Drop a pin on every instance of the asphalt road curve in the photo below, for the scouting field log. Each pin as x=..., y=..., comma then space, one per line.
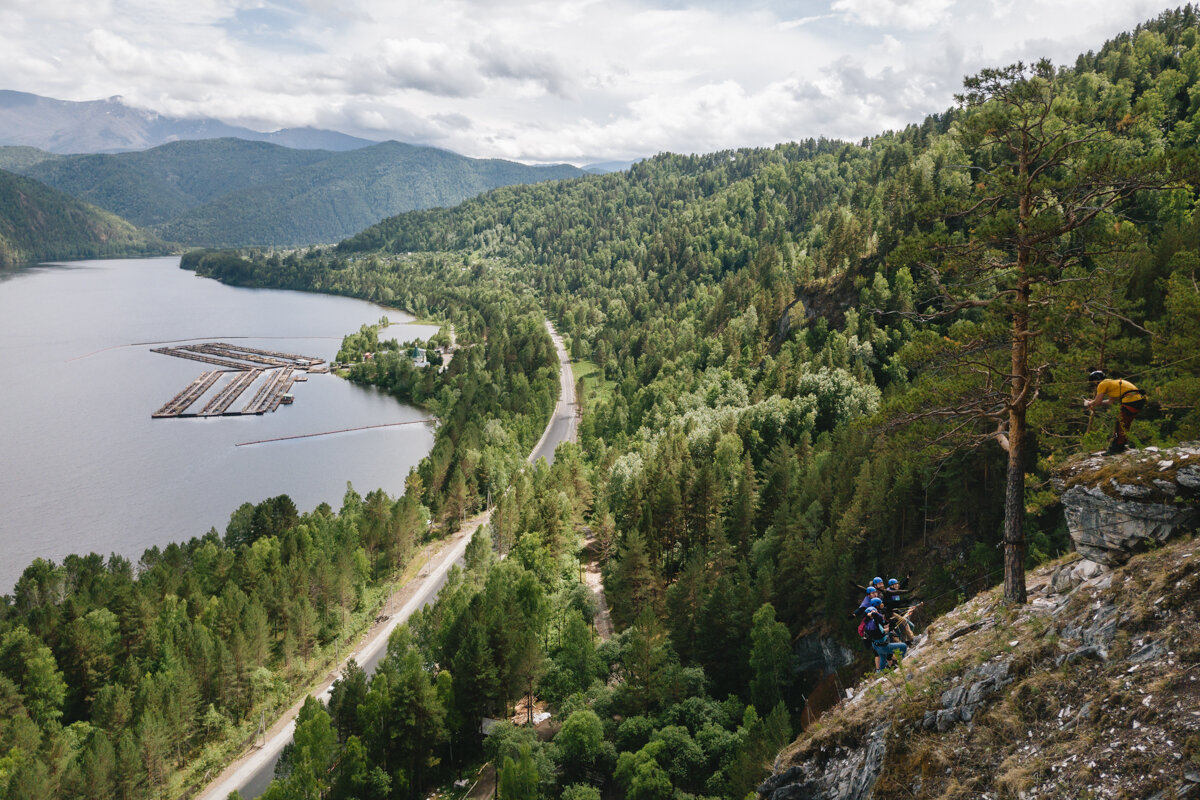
x=253, y=772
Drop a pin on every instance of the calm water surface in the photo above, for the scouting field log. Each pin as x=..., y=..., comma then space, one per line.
x=84, y=468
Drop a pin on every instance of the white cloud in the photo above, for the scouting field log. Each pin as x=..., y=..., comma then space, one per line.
x=540, y=80
x=906, y=14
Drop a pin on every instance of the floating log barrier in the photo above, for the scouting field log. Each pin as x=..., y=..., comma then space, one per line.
x=190, y=394
x=232, y=390
x=330, y=433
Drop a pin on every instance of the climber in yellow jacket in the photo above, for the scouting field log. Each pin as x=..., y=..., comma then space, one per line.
x=1130, y=399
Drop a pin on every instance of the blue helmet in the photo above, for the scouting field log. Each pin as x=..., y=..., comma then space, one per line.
x=875, y=602
x=893, y=582
x=877, y=580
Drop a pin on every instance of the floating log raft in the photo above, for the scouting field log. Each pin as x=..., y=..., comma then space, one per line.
x=267, y=398
x=249, y=363
x=190, y=394
x=224, y=398
x=236, y=356
x=222, y=351
x=180, y=352
x=299, y=361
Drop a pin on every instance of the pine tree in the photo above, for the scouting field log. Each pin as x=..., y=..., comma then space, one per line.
x=519, y=780
x=770, y=658
x=1046, y=181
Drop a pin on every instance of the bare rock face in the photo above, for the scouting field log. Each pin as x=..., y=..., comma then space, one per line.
x=848, y=774
x=1071, y=575
x=1116, y=506
x=1085, y=693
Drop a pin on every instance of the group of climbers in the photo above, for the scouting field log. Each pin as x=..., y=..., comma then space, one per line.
x=885, y=625
x=885, y=610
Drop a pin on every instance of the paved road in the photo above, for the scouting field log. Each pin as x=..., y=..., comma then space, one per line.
x=252, y=773
x=564, y=424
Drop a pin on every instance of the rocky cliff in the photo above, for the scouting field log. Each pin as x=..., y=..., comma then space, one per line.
x=1091, y=690
x=1119, y=505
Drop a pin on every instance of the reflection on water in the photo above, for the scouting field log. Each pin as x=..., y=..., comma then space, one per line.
x=85, y=468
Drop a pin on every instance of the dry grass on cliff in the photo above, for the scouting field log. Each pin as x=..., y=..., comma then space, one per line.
x=1122, y=725
x=1131, y=468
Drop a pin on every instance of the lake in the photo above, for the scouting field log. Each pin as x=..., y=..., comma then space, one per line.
x=84, y=467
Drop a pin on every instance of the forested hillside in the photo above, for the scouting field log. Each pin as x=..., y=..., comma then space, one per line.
x=154, y=186
x=746, y=307
x=134, y=680
x=38, y=223
x=805, y=366
x=232, y=192
x=804, y=377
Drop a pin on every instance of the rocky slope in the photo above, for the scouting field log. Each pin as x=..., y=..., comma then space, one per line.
x=1091, y=690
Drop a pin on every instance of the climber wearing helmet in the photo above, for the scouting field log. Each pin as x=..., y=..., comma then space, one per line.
x=876, y=630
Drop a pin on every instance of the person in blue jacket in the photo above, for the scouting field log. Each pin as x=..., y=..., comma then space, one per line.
x=866, y=601
x=877, y=631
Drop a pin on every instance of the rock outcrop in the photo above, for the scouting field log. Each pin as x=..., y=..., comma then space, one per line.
x=1090, y=690
x=1116, y=506
x=848, y=774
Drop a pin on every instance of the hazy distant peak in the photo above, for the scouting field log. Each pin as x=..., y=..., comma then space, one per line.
x=112, y=126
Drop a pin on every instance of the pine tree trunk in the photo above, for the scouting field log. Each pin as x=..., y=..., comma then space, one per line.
x=1014, y=487
x=1014, y=512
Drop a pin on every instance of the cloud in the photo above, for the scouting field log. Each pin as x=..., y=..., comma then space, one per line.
x=430, y=67
x=906, y=14
x=506, y=61
x=544, y=80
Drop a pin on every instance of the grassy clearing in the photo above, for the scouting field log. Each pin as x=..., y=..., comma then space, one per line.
x=595, y=387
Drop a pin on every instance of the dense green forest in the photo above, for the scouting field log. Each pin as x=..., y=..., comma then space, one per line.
x=805, y=354
x=231, y=192
x=133, y=680
x=38, y=223
x=151, y=187
x=804, y=361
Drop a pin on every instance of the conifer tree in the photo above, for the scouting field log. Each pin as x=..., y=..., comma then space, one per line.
x=518, y=780
x=1048, y=173
x=770, y=658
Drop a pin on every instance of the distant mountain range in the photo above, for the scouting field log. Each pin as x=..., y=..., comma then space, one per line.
x=110, y=126
x=38, y=223
x=605, y=167
x=232, y=192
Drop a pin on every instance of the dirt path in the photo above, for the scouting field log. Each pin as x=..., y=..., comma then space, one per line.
x=591, y=577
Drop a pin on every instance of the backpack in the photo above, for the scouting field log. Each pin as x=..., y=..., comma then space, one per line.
x=862, y=627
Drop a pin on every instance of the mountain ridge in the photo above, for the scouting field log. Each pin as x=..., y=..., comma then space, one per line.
x=232, y=192
x=38, y=223
x=111, y=126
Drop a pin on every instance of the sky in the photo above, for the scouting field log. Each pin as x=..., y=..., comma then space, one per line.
x=577, y=81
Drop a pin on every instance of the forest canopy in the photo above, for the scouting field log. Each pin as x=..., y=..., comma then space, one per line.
x=793, y=377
